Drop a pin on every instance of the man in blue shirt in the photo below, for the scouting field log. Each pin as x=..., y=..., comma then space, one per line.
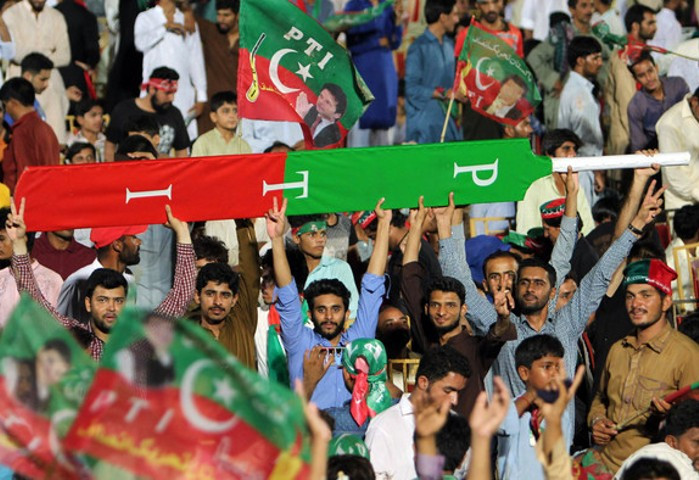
x=328, y=302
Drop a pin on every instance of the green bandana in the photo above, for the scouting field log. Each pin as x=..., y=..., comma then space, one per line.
x=308, y=227
x=365, y=360
x=348, y=444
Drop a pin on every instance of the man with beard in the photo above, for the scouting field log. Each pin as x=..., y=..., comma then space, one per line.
x=536, y=293
x=106, y=289
x=641, y=368
x=328, y=308
x=444, y=307
x=220, y=43
x=160, y=93
x=227, y=301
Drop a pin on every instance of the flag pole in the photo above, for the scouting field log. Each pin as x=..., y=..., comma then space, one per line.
x=446, y=119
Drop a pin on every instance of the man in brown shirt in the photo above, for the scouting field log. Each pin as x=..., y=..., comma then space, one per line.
x=33, y=141
x=227, y=302
x=220, y=43
x=641, y=368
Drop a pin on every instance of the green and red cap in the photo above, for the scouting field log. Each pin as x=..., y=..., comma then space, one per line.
x=651, y=271
x=553, y=209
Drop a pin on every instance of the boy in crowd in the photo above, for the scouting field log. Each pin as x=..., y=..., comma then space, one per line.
x=89, y=117
x=222, y=139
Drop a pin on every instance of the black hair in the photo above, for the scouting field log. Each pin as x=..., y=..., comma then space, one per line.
x=218, y=273
x=645, y=55
x=696, y=93
x=60, y=346
x=36, y=62
x=536, y=347
x=297, y=221
x=77, y=147
x=558, y=17
x=434, y=8
x=646, y=468
x=446, y=284
x=105, y=278
x=18, y=89
x=437, y=363
x=85, y=105
x=686, y=221
x=4, y=212
x=354, y=467
x=339, y=95
x=453, y=440
x=297, y=265
x=497, y=255
x=690, y=326
x=228, y=4
x=519, y=81
x=210, y=248
x=398, y=219
x=606, y=208
x=635, y=14
x=219, y=98
x=555, y=138
x=396, y=303
x=132, y=144
x=144, y=123
x=582, y=46
x=538, y=263
x=682, y=417
x=326, y=286
x=646, y=249
x=165, y=73
x=278, y=144
x=556, y=222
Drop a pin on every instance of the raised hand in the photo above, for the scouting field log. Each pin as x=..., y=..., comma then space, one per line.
x=316, y=362
x=431, y=416
x=180, y=228
x=276, y=219
x=650, y=207
x=14, y=224
x=553, y=412
x=381, y=214
x=486, y=417
x=444, y=214
x=503, y=302
x=418, y=215
x=572, y=183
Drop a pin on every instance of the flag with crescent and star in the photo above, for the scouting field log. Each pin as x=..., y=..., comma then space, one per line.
x=291, y=69
x=498, y=83
x=168, y=401
x=44, y=375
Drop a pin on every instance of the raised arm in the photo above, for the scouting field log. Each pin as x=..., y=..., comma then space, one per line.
x=452, y=259
x=249, y=264
x=629, y=209
x=276, y=223
x=377, y=263
x=180, y=295
x=565, y=244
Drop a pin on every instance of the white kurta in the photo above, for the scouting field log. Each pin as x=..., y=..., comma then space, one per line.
x=162, y=48
x=46, y=33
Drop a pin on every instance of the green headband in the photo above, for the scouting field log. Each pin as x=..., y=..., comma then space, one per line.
x=307, y=227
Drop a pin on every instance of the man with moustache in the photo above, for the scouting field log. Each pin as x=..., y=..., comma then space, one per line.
x=220, y=43
x=641, y=368
x=160, y=93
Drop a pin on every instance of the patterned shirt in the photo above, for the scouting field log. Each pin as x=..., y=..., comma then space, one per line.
x=174, y=305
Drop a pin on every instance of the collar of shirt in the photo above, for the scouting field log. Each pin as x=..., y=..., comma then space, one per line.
x=405, y=406
x=27, y=117
x=686, y=109
x=578, y=79
x=657, y=343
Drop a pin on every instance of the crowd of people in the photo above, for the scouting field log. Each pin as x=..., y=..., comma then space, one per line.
x=537, y=339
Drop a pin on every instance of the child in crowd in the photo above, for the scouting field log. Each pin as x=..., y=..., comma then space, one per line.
x=89, y=117
x=222, y=139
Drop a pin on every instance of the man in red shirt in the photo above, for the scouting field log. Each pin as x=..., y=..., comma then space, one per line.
x=33, y=141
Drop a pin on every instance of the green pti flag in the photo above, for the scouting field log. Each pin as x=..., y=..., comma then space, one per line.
x=169, y=402
x=244, y=186
x=497, y=81
x=44, y=375
x=291, y=69
x=344, y=20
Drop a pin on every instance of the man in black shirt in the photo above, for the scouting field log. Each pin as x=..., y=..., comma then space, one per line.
x=161, y=88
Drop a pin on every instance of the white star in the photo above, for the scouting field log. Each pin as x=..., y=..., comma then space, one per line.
x=490, y=72
x=303, y=71
x=224, y=391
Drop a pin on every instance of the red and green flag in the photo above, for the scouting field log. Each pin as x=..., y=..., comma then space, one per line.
x=291, y=69
x=169, y=402
x=498, y=83
x=244, y=186
x=44, y=375
x=344, y=20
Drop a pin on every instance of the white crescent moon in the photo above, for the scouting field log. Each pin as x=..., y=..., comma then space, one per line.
x=274, y=70
x=479, y=84
x=190, y=410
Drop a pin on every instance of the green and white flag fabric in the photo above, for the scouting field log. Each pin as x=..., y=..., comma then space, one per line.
x=169, y=402
x=344, y=20
x=44, y=375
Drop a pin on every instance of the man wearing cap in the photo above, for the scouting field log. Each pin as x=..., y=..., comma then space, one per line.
x=560, y=142
x=106, y=293
x=117, y=248
x=584, y=255
x=309, y=233
x=641, y=368
x=158, y=103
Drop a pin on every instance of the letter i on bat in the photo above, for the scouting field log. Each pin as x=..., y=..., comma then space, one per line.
x=254, y=90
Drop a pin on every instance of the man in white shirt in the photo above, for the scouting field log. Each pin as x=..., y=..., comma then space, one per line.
x=160, y=34
x=604, y=12
x=442, y=373
x=678, y=131
x=669, y=33
x=680, y=448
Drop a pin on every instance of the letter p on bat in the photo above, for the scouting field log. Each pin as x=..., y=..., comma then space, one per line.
x=475, y=169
